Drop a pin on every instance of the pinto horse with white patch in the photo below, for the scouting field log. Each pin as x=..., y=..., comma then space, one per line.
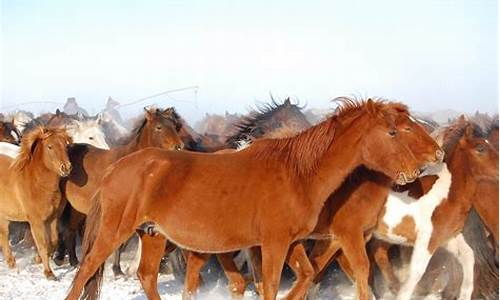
x=435, y=217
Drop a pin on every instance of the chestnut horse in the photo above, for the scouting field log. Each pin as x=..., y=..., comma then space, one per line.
x=158, y=129
x=412, y=133
x=195, y=199
x=29, y=189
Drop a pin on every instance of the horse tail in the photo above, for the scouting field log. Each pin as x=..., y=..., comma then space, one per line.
x=486, y=268
x=92, y=288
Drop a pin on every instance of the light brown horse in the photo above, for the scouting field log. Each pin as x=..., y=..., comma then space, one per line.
x=29, y=189
x=196, y=199
x=158, y=128
x=466, y=163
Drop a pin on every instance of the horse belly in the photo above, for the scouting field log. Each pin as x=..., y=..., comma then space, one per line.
x=209, y=235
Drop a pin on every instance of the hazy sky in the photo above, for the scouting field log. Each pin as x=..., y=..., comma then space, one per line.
x=430, y=54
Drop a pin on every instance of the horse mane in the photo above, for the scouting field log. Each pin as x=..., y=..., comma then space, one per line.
x=303, y=152
x=247, y=124
x=30, y=141
x=168, y=114
x=457, y=132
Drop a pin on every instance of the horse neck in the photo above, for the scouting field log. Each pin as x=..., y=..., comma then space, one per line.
x=339, y=161
x=36, y=174
x=463, y=185
x=136, y=143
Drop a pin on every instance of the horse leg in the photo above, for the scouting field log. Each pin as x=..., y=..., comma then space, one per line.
x=4, y=240
x=273, y=256
x=76, y=221
x=151, y=254
x=195, y=261
x=255, y=256
x=40, y=234
x=354, y=250
x=54, y=235
x=380, y=251
x=299, y=262
x=419, y=261
x=101, y=249
x=237, y=282
x=321, y=255
x=117, y=270
x=464, y=254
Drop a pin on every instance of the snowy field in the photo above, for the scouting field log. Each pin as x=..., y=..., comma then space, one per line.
x=27, y=282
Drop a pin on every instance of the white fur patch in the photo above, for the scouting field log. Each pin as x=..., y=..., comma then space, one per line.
x=399, y=205
x=8, y=149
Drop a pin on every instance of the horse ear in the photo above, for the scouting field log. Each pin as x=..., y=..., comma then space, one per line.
x=148, y=115
x=287, y=101
x=370, y=106
x=58, y=112
x=469, y=131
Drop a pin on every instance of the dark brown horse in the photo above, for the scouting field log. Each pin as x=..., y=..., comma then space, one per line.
x=9, y=133
x=195, y=199
x=266, y=119
x=29, y=189
x=158, y=128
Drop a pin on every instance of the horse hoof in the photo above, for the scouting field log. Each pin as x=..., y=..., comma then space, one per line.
x=38, y=259
x=58, y=261
x=237, y=289
x=11, y=263
x=74, y=262
x=50, y=275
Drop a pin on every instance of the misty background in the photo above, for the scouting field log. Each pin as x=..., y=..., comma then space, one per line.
x=432, y=55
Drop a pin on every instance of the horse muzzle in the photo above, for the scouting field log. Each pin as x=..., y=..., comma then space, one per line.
x=65, y=169
x=402, y=178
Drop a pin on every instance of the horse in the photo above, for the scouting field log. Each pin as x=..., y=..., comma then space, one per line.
x=272, y=118
x=9, y=133
x=261, y=121
x=29, y=189
x=158, y=128
x=85, y=132
x=470, y=161
x=113, y=130
x=195, y=199
x=413, y=134
x=402, y=219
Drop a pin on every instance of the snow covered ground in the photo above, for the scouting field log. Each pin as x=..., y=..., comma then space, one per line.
x=27, y=282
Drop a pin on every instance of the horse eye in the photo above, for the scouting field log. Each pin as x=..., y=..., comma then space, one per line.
x=392, y=132
x=480, y=148
x=158, y=128
x=50, y=147
x=408, y=129
x=91, y=138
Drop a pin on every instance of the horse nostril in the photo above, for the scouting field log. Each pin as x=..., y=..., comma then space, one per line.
x=178, y=147
x=416, y=173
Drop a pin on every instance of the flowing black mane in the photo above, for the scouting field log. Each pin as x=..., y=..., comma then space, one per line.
x=250, y=126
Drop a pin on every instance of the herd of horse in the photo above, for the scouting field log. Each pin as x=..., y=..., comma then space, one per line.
x=277, y=191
